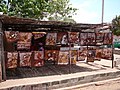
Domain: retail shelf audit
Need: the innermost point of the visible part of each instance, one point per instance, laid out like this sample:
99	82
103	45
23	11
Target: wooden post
70	53
112	51
2	60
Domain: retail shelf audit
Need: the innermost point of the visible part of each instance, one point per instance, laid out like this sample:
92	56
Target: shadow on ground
46	70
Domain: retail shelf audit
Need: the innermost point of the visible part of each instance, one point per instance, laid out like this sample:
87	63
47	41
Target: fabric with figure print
24	41
25	59
12	59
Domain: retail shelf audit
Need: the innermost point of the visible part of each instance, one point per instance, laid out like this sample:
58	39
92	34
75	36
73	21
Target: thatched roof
16	23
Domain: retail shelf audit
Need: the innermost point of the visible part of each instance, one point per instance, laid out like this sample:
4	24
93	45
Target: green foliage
3	6
116	25
38	9
60	9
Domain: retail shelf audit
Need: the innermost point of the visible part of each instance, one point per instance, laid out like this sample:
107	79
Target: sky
90	11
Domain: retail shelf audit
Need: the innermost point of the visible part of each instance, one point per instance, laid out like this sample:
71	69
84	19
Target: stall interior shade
34	49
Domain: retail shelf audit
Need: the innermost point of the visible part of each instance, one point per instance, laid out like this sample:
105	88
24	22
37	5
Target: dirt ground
107	85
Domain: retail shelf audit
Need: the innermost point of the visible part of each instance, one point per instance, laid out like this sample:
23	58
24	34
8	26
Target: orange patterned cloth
82	53
24	41
73	37
25	58
51	38
91	39
99	38
38	35
51	55
12	59
73	56
98	54
63	58
91	54
107	53
108	38
38	58
83	38
62	38
12	36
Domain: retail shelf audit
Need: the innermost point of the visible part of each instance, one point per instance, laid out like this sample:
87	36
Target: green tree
3	6
60	10
39	9
27	8
116	25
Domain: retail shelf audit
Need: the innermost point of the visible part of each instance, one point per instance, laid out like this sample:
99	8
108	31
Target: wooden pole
112	51
70	53
2	58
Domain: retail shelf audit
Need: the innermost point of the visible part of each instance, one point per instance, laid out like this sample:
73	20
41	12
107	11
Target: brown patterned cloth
24	41
63	58
51	38
83	38
98	54
107	53
62	38
51	55
38	35
108	38
73	56
12	36
99	38
25	58
73	37
91	39
91	54
38	58
82	53
12	59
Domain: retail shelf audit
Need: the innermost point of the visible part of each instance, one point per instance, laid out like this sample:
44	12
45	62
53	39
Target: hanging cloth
12	36
63	58
62	38
51	38
25	59
82	53
38	35
73	37
38	58
12	59
24	41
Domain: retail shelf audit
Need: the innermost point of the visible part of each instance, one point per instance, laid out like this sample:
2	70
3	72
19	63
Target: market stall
32	43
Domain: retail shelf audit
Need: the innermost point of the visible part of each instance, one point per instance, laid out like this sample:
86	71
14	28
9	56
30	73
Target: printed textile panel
107	53
12	36
62	38
91	39
74	37
91	56
24	41
63	58
51	55
38	35
73	56
38	58
83	38
82	53
99	38
25	59
12	58
51	38
108	38
98	54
